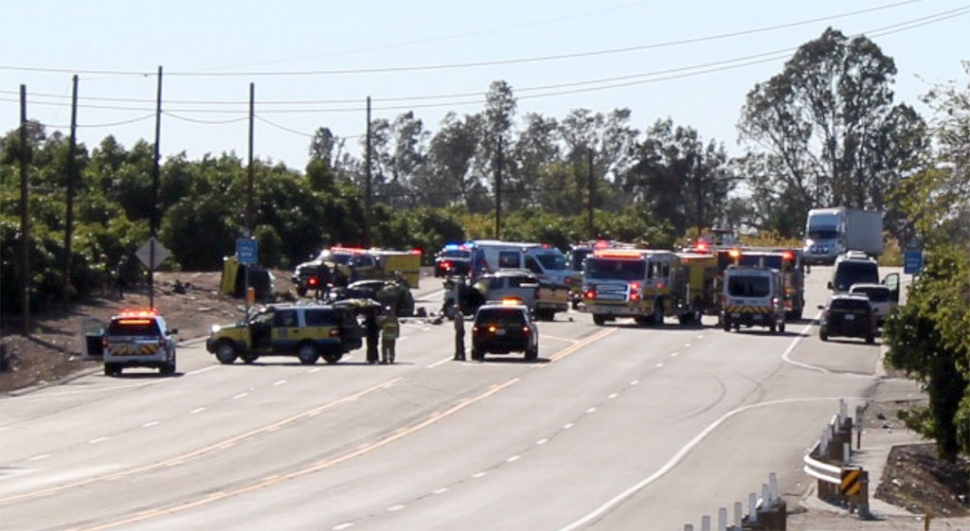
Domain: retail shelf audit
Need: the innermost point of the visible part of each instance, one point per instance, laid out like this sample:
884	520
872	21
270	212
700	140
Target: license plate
500	332
849	317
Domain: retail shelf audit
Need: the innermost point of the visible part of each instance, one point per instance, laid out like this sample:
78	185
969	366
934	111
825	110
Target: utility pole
498	190
591	190
155	179
71	177
250	227
24	220
367	182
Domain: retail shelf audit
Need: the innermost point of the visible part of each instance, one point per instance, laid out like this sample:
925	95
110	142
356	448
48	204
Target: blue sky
314	63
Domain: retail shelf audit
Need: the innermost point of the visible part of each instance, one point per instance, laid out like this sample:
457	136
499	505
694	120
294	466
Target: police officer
372	331
459	335
390	330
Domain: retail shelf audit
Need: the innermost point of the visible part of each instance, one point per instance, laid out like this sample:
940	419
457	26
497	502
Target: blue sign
912	262
247	252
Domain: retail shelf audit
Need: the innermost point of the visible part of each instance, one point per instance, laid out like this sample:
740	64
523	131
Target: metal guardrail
769	512
828	462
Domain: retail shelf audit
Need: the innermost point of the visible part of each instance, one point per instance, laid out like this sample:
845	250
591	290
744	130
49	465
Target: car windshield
552	261
749	286
501	315
456	253
850	304
133	327
875	293
612	269
849	272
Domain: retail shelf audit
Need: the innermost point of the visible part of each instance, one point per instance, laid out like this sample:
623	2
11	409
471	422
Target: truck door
892	282
286	331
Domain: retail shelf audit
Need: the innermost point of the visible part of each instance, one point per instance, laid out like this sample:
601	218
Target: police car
503	328
139	338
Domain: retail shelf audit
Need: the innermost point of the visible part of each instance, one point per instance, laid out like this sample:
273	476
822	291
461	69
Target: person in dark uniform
390	330
459	335
373	332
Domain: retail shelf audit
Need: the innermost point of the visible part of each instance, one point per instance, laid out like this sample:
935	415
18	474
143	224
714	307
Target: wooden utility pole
71	177
250	226
155	180
591	190
24	220
367	180
498	190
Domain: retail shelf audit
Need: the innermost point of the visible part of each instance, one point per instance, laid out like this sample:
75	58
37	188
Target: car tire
167	368
226	353
823	336
870	339
727	325
110	369
599	320
301	291
773	328
332	357
248	359
532	354
781	327
307	353
478	355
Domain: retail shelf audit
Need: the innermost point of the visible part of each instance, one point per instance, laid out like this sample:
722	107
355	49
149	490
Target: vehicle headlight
215	329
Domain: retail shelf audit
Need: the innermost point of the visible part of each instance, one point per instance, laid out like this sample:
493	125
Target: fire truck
648	285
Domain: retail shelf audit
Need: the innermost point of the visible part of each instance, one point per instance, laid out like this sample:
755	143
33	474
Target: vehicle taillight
312	281
335	332
491	328
589	294
635	294
446	264
526	330
104	342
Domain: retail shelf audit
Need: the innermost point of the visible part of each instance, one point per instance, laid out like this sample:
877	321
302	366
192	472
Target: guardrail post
705	523
860	412
688	527
752	508
738	511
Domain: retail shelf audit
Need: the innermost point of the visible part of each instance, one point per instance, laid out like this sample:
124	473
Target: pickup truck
543	299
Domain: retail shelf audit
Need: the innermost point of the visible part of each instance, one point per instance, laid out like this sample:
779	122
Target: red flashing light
416	251
618	253
589	294
139	313
601	244
135	321
702	246
787	255
312	281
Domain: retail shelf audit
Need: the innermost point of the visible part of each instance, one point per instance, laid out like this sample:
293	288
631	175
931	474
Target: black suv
848	316
504	328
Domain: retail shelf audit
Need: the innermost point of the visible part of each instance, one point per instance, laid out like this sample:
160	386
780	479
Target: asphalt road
616	427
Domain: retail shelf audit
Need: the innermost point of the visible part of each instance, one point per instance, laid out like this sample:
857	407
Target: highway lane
565	443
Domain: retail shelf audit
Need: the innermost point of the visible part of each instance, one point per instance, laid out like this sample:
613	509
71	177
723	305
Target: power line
478	64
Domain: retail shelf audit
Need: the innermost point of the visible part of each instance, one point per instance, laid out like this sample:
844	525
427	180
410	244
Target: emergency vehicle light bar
138	313
618	253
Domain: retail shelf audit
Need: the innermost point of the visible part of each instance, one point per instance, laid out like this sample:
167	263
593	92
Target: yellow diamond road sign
144	253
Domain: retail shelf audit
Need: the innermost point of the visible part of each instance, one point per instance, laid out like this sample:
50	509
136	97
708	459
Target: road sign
912	262
247	252
144	253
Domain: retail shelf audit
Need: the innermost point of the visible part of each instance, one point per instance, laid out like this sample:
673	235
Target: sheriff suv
307	331
848	316
504	328
139	339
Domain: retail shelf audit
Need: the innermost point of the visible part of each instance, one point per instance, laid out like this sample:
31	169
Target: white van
546	261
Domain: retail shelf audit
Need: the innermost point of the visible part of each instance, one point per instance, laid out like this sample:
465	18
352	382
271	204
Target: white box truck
830	232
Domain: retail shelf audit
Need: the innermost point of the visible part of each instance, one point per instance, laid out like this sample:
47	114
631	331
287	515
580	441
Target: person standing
372	330
459	335
390	330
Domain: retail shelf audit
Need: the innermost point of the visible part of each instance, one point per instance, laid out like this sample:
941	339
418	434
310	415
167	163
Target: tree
828	129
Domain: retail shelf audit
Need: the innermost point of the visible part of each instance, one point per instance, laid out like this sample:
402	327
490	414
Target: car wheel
823	336
226	353
478	355
773	327
307	353
727	325
781	327
301	291
870	339
332	357
248	359
167	368
111	370
532	354
599	320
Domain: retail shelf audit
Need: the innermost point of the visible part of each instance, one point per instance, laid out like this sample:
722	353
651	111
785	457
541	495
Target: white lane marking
513	459
567	426
566	339
341	527
687	345
674	355
441	362
441	490
542	441
96	441
150	424
660	364
279	382
591	410
614	395
426	329
395	508
479	475
701	336
311	371
39	457
202	370
240	395
635	382
679	456
197	410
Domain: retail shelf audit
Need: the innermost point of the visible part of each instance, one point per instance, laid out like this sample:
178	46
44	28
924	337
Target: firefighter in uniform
390	330
459	336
